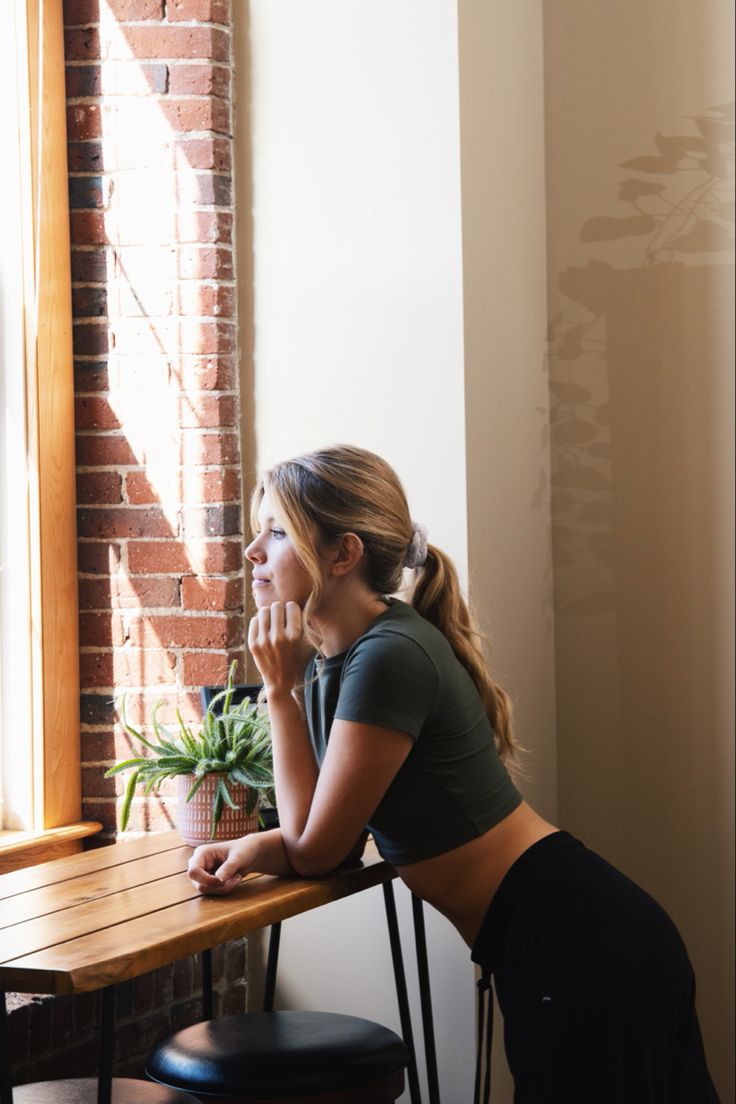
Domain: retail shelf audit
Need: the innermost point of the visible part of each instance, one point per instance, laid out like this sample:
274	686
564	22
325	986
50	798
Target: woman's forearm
295	766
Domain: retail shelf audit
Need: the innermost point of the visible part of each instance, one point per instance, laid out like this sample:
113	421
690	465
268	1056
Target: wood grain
122	920
102	858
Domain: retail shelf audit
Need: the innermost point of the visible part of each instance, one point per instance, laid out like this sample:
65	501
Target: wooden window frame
54	722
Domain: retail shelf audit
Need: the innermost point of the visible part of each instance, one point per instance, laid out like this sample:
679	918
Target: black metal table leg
6	1084
107	1044
401	990
426	1000
269	991
207	1002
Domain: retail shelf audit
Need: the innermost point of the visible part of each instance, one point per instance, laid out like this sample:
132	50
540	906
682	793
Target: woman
385	718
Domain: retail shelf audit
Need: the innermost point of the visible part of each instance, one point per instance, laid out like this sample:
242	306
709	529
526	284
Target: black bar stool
283	1058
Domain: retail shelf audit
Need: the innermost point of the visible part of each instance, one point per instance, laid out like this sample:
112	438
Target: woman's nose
253	552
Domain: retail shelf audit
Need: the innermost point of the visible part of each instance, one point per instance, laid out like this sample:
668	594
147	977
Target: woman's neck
344	617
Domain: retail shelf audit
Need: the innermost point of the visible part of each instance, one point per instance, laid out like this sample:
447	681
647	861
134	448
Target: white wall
357	308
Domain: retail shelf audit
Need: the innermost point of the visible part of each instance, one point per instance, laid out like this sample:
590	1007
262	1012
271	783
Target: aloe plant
233	741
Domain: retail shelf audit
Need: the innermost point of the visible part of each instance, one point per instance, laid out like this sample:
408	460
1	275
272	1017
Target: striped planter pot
194	818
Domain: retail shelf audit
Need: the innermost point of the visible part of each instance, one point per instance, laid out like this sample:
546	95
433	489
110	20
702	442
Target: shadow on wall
640	412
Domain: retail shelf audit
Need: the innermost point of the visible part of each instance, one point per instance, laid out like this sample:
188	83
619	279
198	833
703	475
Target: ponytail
438	598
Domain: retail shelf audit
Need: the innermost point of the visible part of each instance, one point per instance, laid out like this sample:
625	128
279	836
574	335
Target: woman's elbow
313	862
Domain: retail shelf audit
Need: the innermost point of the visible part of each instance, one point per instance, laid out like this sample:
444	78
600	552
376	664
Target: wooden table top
86	921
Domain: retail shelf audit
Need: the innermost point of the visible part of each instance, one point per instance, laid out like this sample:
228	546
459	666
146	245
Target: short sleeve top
402	674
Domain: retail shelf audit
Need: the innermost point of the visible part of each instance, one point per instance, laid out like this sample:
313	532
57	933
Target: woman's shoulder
401	630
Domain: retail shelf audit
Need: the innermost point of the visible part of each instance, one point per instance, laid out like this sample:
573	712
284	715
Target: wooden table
87	922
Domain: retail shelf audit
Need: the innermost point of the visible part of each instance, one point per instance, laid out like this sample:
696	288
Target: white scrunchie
416	553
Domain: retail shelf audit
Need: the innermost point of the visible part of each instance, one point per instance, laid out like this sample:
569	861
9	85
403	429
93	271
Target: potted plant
221	770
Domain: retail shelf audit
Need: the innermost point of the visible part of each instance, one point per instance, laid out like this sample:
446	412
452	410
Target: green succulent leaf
233	740
127	800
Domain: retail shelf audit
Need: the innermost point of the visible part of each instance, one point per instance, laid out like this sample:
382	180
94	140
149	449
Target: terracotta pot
194	818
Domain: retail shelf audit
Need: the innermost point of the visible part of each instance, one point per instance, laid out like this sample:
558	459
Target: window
39	707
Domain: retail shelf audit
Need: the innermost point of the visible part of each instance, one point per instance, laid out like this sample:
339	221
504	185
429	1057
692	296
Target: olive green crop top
403	674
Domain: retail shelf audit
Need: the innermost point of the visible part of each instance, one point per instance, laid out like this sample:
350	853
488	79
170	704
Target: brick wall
159	488
159	524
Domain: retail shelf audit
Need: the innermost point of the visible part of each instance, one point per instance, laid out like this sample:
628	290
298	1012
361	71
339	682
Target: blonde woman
385	719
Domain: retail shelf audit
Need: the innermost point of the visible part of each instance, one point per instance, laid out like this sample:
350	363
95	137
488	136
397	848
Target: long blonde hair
345	489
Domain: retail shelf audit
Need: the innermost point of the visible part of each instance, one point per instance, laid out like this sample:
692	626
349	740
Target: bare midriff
462	883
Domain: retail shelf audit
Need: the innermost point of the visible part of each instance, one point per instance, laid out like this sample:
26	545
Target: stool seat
83	1090
278	1055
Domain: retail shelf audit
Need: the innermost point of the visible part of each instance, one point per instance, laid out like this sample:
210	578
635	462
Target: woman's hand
278	644
220	867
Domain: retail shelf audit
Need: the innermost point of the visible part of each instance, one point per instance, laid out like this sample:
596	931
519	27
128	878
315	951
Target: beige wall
640	281
506	392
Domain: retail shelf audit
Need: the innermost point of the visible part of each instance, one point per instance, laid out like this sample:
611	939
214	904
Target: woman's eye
278	534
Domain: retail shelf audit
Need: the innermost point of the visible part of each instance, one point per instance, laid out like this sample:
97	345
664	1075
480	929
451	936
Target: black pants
594	982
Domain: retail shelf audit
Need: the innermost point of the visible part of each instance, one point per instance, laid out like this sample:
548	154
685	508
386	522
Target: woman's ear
348	552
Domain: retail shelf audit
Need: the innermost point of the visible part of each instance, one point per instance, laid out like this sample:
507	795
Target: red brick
136	10
158	557
98	558
94	783
83	122
206	11
187	115
207	668
183	632
88	227
104	449
183	979
205	263
202	447
207	411
101	810
201	485
95	669
234	1000
139	489
207	337
89	302
205	226
89	265
211	520
99	487
128	592
82	45
93	412
101	630
104	521
144	667
91	338
205	153
97	747
199	80
88	11
83	80
95	593
175	42
204	189
214	373
211	594
84	157
153	814
168	557
206	299
90	375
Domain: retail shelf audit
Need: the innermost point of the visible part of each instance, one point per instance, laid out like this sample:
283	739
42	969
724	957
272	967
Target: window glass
16	789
